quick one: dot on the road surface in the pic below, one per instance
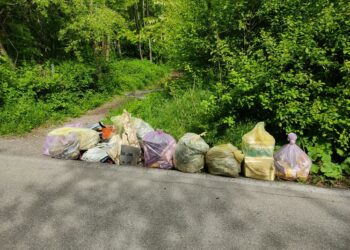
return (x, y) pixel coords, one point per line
(57, 204)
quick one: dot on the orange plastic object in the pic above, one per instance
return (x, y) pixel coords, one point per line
(107, 132)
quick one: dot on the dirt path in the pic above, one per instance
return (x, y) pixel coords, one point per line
(31, 144)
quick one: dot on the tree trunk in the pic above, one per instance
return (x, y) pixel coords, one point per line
(149, 39)
(119, 48)
(3, 53)
(140, 50)
(143, 12)
(138, 28)
(107, 48)
(150, 49)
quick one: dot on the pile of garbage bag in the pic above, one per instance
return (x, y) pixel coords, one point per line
(132, 141)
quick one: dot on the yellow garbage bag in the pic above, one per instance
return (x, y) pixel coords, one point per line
(261, 168)
(221, 160)
(257, 146)
(258, 142)
(88, 138)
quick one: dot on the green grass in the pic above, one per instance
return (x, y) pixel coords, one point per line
(129, 75)
(180, 114)
(34, 95)
(174, 115)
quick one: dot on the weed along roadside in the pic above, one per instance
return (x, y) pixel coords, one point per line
(127, 140)
(69, 90)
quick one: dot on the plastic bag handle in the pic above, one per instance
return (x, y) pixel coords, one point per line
(292, 138)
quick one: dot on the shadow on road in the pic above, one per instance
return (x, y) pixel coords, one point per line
(94, 208)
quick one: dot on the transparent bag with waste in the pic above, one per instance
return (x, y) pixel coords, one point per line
(96, 154)
(258, 142)
(88, 138)
(224, 160)
(63, 146)
(159, 149)
(190, 152)
(291, 162)
(142, 128)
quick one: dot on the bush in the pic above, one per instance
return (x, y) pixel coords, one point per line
(133, 74)
(36, 94)
(284, 62)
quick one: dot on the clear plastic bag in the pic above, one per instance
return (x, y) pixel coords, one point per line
(95, 154)
(142, 128)
(88, 138)
(258, 142)
(190, 152)
(221, 160)
(63, 146)
(291, 162)
(159, 149)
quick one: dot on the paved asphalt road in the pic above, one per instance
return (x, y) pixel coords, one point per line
(52, 204)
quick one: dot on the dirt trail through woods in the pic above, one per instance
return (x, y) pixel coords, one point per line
(31, 144)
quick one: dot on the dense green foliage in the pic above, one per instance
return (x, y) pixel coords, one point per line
(36, 94)
(284, 62)
(86, 29)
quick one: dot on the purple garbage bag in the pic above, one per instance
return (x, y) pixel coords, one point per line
(159, 149)
(291, 162)
(62, 146)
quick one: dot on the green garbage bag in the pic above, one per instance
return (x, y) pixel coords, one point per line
(224, 160)
(190, 152)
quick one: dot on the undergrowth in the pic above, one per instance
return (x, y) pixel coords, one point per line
(33, 95)
(179, 114)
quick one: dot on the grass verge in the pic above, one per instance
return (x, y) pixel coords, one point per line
(34, 95)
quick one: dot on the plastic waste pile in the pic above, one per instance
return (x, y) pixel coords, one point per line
(132, 141)
(96, 142)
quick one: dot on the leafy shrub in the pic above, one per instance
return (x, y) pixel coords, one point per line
(284, 62)
(7, 75)
(322, 162)
(133, 74)
(36, 94)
